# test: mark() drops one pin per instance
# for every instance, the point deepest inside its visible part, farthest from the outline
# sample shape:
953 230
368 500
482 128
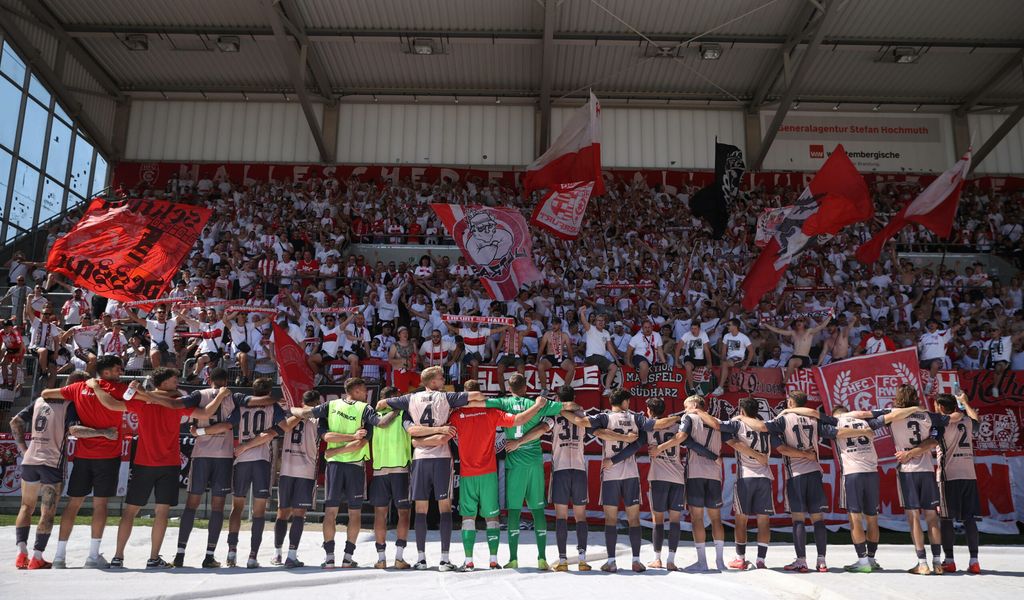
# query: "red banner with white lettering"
128 250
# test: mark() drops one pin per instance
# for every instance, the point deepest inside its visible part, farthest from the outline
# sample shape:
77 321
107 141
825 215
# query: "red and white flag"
935 208
296 376
575 156
835 198
495 242
561 210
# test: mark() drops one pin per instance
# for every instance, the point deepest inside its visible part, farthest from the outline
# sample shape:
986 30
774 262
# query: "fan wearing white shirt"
998 354
334 340
735 352
645 349
693 350
599 346
932 345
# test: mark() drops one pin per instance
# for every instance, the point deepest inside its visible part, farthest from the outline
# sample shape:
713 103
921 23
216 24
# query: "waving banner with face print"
128 250
495 242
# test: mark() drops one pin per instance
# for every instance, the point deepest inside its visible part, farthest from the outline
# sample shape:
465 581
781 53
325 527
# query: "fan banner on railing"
128 250
561 210
496 243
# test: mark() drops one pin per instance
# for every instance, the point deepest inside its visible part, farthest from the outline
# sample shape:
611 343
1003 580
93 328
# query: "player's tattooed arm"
205 412
744 448
926 446
536 433
422 431
81 431
386 420
18 431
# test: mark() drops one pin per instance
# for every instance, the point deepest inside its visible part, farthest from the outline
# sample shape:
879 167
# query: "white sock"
863 561
701 556
382 555
398 552
494 558
720 550
583 556
444 557
636 559
22 547
37 554
671 557
293 554
348 556
94 548
657 556
277 551
611 560
974 561
922 561
423 557
62 549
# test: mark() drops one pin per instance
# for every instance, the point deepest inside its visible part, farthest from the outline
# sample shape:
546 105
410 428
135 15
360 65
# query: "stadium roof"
905 55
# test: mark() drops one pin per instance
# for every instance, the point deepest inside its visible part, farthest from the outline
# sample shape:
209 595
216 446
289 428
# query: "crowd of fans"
644 284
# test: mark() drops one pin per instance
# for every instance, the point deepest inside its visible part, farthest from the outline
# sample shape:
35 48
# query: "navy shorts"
254 474
666 496
626 491
431 478
806 494
471 357
918 490
96 475
704 493
42 474
294 492
345 484
161 482
754 496
390 488
638 360
960 499
861 493
569 486
209 473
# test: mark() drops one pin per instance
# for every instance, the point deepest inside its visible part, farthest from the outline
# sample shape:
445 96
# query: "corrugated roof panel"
625 69
76 77
679 16
447 15
175 13
948 76
465 66
41 39
257 64
929 19
100 110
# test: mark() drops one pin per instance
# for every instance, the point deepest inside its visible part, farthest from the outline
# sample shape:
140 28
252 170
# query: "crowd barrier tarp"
156 174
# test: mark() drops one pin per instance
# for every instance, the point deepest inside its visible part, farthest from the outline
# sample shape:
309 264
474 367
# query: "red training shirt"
476 430
91 413
158 444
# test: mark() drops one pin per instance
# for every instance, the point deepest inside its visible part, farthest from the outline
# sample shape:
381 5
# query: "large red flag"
495 242
574 156
935 208
296 376
128 250
835 198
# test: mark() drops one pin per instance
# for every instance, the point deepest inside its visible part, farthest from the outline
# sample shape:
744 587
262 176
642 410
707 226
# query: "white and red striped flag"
570 170
495 242
296 376
935 208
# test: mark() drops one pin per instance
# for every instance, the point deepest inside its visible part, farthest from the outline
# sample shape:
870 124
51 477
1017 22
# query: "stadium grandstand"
325 257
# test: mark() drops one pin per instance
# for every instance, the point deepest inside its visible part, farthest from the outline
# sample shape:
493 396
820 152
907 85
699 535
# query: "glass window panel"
33 133
81 166
35 87
10 107
11 65
73 201
23 203
59 111
99 178
5 173
53 198
60 147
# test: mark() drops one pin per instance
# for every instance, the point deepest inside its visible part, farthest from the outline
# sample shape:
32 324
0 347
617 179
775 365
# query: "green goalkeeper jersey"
530 452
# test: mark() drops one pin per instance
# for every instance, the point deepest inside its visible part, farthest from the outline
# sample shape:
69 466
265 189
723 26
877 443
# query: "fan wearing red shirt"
307 268
475 430
97 463
876 343
157 462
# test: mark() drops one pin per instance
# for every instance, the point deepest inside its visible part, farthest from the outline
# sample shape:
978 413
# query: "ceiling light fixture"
877 106
710 51
836 107
136 42
228 43
905 55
